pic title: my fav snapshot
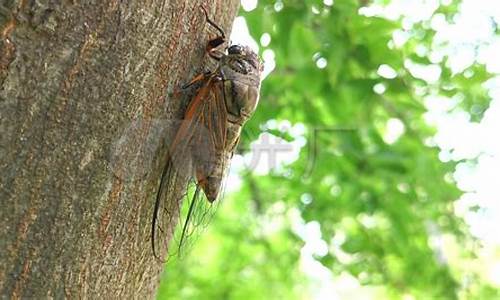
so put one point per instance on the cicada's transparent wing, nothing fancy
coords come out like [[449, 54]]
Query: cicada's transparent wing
[[209, 145], [166, 209], [207, 148], [175, 175], [191, 152], [204, 143], [213, 165], [195, 214]]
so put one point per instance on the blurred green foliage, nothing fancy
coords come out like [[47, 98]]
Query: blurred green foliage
[[378, 203]]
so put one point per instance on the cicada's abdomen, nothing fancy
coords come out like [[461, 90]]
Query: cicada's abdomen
[[212, 182]]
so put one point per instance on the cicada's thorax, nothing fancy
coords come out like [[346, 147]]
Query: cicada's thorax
[[240, 85]]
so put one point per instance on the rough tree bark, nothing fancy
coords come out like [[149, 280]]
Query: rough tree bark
[[76, 197]]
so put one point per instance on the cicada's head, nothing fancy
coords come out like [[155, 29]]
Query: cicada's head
[[242, 60]]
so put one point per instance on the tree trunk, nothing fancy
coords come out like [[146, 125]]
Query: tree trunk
[[82, 85]]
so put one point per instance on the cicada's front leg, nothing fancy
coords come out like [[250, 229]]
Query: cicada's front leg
[[197, 78], [215, 43], [212, 50]]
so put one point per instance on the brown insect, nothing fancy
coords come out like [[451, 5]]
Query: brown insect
[[209, 133]]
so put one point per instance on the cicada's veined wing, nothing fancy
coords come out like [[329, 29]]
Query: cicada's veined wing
[[209, 148], [209, 160], [194, 152], [176, 172], [195, 214]]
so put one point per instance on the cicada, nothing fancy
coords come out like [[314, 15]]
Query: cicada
[[208, 135]]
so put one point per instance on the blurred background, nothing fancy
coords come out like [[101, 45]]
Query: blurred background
[[370, 169]]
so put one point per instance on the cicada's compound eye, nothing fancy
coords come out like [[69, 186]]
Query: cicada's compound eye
[[235, 49]]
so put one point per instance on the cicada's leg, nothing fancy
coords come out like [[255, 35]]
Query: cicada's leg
[[214, 43], [211, 48], [197, 78], [222, 34]]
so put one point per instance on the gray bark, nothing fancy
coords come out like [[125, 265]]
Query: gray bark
[[82, 87]]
